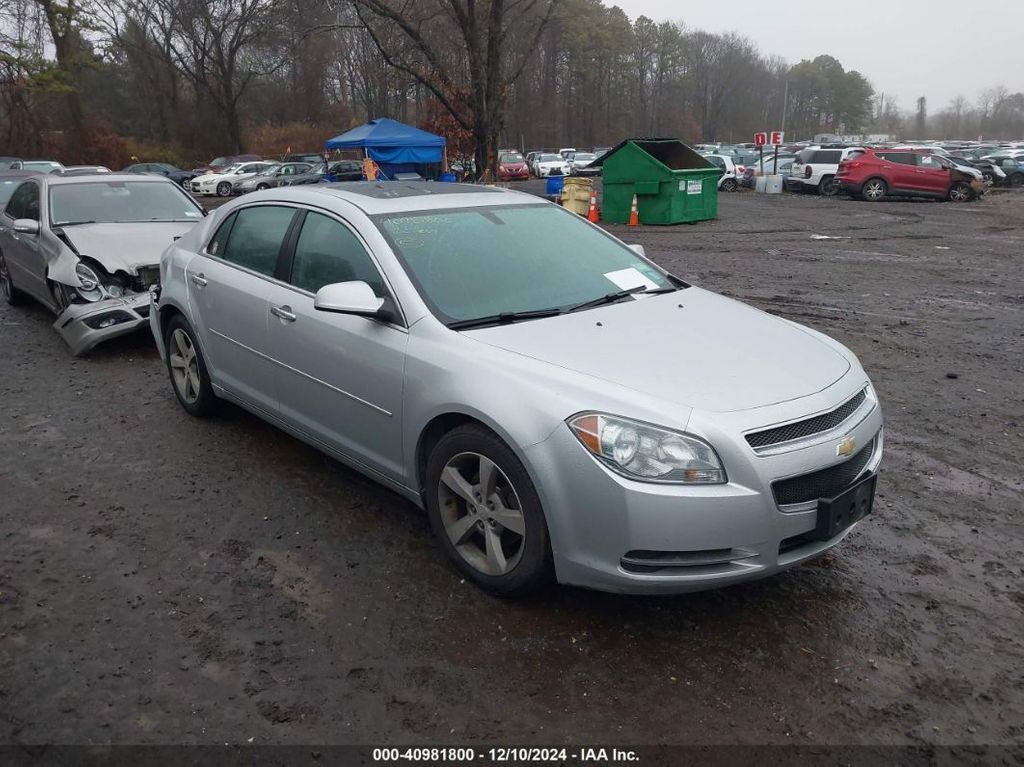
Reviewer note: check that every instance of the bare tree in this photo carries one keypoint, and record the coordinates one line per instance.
(467, 53)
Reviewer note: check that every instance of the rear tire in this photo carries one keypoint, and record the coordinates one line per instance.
(186, 367)
(1016, 180)
(11, 294)
(494, 532)
(729, 185)
(874, 189)
(828, 187)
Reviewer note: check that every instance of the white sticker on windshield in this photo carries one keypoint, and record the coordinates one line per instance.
(627, 279)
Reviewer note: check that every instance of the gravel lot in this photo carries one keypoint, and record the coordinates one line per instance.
(168, 580)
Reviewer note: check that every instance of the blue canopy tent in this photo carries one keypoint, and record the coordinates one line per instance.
(394, 146)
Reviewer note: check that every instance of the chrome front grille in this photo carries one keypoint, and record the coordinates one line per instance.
(809, 426)
(825, 483)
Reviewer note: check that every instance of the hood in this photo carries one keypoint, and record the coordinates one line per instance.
(125, 247)
(713, 354)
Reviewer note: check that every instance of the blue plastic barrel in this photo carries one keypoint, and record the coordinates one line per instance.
(447, 178)
(555, 184)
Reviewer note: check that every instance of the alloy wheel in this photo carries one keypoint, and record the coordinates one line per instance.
(874, 190)
(224, 189)
(959, 192)
(184, 366)
(481, 513)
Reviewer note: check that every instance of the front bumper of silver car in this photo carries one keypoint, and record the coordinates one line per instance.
(83, 326)
(616, 534)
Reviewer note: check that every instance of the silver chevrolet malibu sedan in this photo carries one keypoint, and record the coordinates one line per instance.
(560, 406)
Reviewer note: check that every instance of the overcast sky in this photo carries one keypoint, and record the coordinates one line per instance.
(907, 48)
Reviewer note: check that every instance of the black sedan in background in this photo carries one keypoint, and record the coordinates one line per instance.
(345, 170)
(177, 175)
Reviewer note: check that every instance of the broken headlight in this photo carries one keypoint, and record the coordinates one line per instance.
(90, 289)
(93, 288)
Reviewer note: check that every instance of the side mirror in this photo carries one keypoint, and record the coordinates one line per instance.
(355, 297)
(639, 250)
(26, 226)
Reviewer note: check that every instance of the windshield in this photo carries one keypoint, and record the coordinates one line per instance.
(120, 202)
(478, 262)
(585, 156)
(550, 158)
(218, 162)
(512, 157)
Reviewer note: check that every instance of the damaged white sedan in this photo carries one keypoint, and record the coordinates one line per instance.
(88, 248)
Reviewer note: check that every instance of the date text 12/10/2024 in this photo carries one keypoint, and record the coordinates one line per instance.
(505, 754)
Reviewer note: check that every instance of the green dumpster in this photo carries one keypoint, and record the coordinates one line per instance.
(672, 183)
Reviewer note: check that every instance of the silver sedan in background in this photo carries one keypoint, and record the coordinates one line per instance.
(87, 248)
(560, 405)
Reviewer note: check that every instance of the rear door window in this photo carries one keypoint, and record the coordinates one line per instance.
(903, 158)
(255, 238)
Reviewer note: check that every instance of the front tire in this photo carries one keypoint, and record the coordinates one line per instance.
(224, 189)
(11, 294)
(960, 192)
(486, 513)
(187, 369)
(874, 189)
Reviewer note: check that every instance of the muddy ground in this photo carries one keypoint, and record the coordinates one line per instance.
(169, 580)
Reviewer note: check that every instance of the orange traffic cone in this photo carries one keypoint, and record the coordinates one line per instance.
(592, 215)
(634, 215)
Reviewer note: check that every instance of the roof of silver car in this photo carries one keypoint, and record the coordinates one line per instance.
(393, 190)
(102, 178)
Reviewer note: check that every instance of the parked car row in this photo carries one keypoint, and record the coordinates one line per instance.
(462, 377)
(568, 161)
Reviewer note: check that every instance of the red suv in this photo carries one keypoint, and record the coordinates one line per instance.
(876, 173)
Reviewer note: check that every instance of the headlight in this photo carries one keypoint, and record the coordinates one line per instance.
(92, 288)
(89, 289)
(648, 453)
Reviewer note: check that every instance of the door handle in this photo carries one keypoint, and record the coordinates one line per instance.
(199, 280)
(283, 312)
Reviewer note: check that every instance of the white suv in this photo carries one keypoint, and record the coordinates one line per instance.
(816, 167)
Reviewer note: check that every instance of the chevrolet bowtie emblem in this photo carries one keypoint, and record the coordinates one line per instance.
(847, 446)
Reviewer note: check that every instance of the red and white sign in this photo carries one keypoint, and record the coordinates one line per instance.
(760, 139)
(776, 137)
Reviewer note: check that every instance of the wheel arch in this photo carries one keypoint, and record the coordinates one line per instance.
(166, 313)
(444, 422)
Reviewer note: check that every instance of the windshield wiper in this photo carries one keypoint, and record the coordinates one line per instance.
(504, 318)
(73, 223)
(618, 295)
